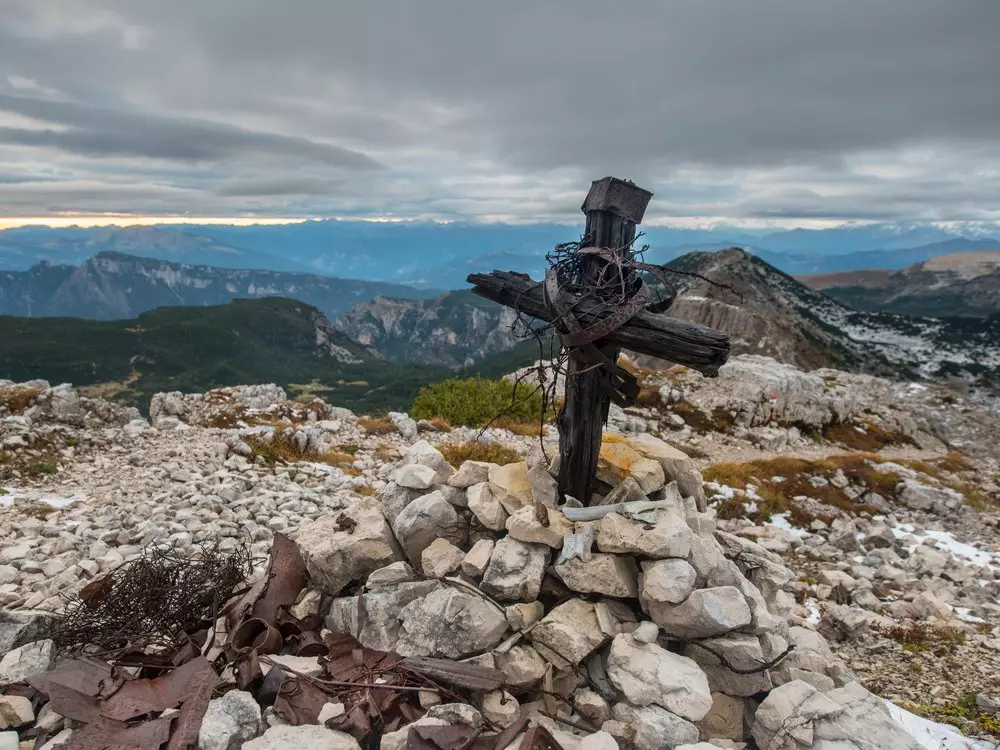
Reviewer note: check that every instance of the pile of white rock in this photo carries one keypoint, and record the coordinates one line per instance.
(655, 631)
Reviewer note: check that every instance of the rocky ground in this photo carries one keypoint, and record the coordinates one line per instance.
(850, 518)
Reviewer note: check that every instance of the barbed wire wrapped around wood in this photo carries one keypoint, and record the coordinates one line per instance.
(156, 600)
(615, 295)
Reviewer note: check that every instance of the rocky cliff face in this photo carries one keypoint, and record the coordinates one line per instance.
(454, 329)
(113, 285)
(966, 284)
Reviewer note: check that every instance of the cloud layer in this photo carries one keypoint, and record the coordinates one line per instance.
(772, 110)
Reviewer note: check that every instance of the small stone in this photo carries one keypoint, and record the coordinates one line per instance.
(425, 519)
(523, 525)
(470, 473)
(598, 741)
(569, 633)
(611, 575)
(655, 727)
(9, 741)
(414, 476)
(477, 559)
(486, 507)
(705, 613)
(423, 453)
(501, 708)
(399, 739)
(726, 719)
(646, 673)
(510, 485)
(27, 661)
(229, 722)
(522, 665)
(15, 711)
(347, 545)
(330, 711)
(397, 572)
(670, 536)
(591, 706)
(309, 736)
(523, 615)
(516, 570)
(441, 558)
(666, 582)
(619, 460)
(450, 623)
(460, 714)
(646, 632)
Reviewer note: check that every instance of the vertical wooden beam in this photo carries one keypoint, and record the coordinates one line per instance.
(613, 209)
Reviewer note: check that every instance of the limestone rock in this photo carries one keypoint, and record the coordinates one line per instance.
(414, 476)
(598, 741)
(656, 728)
(523, 525)
(347, 546)
(501, 708)
(20, 627)
(796, 715)
(670, 536)
(486, 507)
(611, 575)
(619, 460)
(510, 485)
(677, 466)
(423, 453)
(666, 582)
(456, 714)
(229, 722)
(569, 633)
(646, 673)
(516, 570)
(382, 608)
(26, 661)
(310, 736)
(726, 720)
(743, 651)
(522, 665)
(15, 711)
(470, 473)
(425, 519)
(706, 612)
(397, 572)
(399, 739)
(450, 623)
(441, 558)
(477, 559)
(591, 706)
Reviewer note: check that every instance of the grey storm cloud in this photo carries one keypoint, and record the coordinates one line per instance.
(767, 109)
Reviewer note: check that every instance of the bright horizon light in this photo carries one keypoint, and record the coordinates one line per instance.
(131, 221)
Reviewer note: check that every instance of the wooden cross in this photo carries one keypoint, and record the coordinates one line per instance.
(613, 209)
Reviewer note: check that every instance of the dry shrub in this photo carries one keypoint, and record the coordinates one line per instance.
(335, 458)
(280, 449)
(649, 398)
(953, 463)
(364, 490)
(440, 424)
(16, 399)
(529, 429)
(385, 452)
(457, 453)
(865, 436)
(352, 471)
(377, 426)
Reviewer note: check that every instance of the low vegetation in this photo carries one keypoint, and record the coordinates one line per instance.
(377, 425)
(279, 448)
(475, 402)
(14, 400)
(963, 713)
(865, 436)
(470, 450)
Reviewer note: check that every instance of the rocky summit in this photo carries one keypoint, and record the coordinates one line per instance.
(774, 559)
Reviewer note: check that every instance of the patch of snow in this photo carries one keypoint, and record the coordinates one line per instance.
(948, 543)
(722, 491)
(781, 521)
(935, 736)
(965, 615)
(814, 614)
(9, 495)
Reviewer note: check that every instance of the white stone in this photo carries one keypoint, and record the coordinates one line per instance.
(26, 661)
(414, 476)
(655, 727)
(598, 741)
(569, 633)
(441, 558)
(666, 582)
(522, 665)
(646, 673)
(486, 507)
(15, 711)
(706, 612)
(425, 519)
(510, 485)
(450, 623)
(516, 570)
(309, 736)
(388, 575)
(424, 454)
(501, 708)
(523, 525)
(477, 559)
(670, 536)
(470, 473)
(347, 545)
(229, 722)
(611, 575)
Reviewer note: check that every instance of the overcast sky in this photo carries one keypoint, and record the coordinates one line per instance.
(790, 111)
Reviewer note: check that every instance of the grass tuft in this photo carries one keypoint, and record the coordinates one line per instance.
(470, 450)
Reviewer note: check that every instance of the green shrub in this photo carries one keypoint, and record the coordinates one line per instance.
(473, 402)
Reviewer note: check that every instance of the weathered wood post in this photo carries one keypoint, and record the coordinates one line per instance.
(613, 208)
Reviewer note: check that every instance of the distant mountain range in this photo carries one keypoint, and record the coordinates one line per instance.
(963, 284)
(113, 285)
(433, 255)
